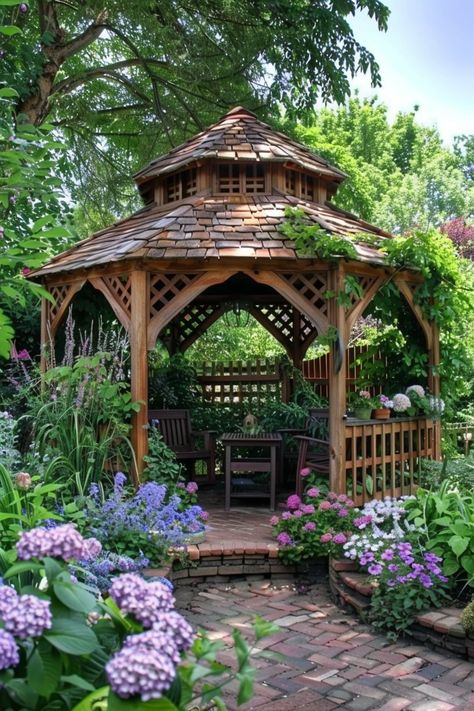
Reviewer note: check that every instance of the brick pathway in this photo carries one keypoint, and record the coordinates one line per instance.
(328, 659)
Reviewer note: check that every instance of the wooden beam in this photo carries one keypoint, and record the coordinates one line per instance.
(337, 385)
(99, 284)
(139, 367)
(359, 308)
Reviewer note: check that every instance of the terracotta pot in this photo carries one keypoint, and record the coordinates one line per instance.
(381, 413)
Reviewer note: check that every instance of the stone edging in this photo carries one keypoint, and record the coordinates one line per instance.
(440, 628)
(212, 562)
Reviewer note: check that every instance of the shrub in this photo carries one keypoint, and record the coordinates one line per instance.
(318, 525)
(467, 618)
(63, 648)
(146, 522)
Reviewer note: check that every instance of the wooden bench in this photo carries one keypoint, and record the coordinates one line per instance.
(175, 428)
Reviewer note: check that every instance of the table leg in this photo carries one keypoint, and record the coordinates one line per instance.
(227, 475)
(273, 472)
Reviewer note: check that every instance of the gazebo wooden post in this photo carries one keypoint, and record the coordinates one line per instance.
(434, 383)
(139, 367)
(337, 384)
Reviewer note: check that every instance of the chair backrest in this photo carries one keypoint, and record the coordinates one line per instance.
(317, 423)
(174, 426)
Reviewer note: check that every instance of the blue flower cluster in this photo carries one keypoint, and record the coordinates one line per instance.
(149, 515)
(99, 573)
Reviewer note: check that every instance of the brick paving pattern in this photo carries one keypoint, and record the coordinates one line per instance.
(323, 658)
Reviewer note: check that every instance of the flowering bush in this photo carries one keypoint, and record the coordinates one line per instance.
(317, 525)
(146, 522)
(58, 642)
(406, 577)
(99, 572)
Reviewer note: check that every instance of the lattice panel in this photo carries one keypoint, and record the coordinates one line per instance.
(191, 321)
(59, 294)
(312, 286)
(121, 288)
(281, 317)
(165, 287)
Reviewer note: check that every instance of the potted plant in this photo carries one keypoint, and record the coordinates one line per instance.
(382, 407)
(361, 403)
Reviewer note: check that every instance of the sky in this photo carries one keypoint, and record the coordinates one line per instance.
(426, 58)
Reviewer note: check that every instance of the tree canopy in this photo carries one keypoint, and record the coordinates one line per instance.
(125, 81)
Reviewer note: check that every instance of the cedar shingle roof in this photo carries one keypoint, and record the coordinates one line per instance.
(239, 136)
(209, 227)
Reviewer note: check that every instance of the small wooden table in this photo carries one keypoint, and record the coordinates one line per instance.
(232, 441)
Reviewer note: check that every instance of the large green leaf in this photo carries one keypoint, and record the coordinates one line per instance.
(97, 701)
(44, 670)
(72, 637)
(458, 544)
(118, 704)
(74, 596)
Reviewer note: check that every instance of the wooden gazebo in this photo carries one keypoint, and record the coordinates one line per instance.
(207, 239)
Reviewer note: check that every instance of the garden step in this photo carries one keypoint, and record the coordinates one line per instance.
(357, 581)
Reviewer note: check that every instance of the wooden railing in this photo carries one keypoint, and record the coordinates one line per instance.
(383, 456)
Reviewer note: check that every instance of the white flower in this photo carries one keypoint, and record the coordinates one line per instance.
(418, 389)
(401, 403)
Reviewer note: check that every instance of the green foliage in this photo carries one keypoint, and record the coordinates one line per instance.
(172, 383)
(393, 610)
(445, 518)
(399, 173)
(311, 240)
(161, 463)
(133, 80)
(467, 618)
(24, 508)
(458, 472)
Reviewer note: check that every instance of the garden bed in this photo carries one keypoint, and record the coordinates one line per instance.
(440, 628)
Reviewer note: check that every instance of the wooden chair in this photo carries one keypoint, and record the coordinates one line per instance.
(178, 435)
(314, 449)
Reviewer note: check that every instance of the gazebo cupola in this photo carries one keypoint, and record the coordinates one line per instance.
(238, 156)
(207, 237)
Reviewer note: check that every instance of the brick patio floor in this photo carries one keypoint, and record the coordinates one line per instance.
(328, 659)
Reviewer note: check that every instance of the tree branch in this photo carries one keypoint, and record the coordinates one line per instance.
(89, 35)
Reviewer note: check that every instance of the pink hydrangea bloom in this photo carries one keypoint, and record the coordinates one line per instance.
(401, 403)
(286, 515)
(297, 514)
(313, 492)
(293, 501)
(310, 526)
(306, 471)
(326, 538)
(342, 513)
(325, 505)
(191, 487)
(284, 539)
(307, 508)
(339, 538)
(274, 520)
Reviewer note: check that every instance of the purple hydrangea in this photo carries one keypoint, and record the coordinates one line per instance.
(313, 492)
(140, 669)
(307, 508)
(8, 598)
(181, 630)
(143, 600)
(310, 526)
(326, 538)
(61, 542)
(339, 538)
(284, 539)
(274, 520)
(155, 640)
(9, 653)
(191, 487)
(28, 616)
